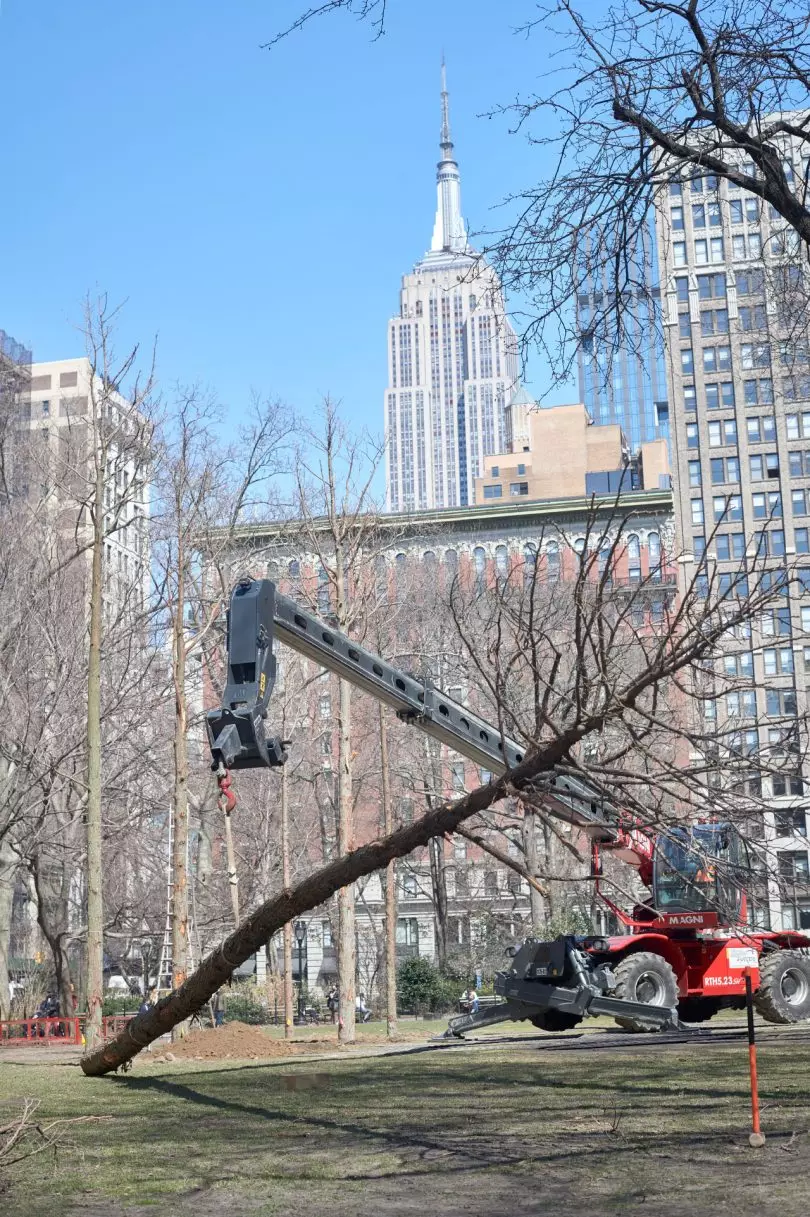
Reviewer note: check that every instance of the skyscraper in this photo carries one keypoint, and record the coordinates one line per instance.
(452, 361)
(625, 386)
(738, 364)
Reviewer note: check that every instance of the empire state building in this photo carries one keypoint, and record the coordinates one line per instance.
(452, 362)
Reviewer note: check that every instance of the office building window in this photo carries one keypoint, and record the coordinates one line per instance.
(720, 395)
(755, 355)
(714, 321)
(716, 359)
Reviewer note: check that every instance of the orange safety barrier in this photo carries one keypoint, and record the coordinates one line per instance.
(58, 1031)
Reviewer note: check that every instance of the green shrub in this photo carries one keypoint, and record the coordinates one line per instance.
(421, 988)
(121, 1003)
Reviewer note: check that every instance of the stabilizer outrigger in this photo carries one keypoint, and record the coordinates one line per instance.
(555, 985)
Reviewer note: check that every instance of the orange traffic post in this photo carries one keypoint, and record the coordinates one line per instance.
(756, 1139)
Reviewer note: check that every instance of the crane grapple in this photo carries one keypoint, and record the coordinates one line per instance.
(236, 731)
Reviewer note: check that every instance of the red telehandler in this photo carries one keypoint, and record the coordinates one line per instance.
(685, 953)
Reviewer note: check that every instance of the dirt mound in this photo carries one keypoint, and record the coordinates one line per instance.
(238, 1040)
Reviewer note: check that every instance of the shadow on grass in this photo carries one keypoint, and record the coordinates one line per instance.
(456, 1150)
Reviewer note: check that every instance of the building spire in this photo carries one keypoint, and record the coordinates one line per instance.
(449, 233)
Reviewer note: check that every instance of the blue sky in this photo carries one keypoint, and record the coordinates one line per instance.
(255, 208)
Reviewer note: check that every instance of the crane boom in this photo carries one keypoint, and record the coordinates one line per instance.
(259, 613)
(554, 984)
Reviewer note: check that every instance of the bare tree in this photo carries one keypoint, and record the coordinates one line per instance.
(206, 489)
(336, 522)
(587, 671)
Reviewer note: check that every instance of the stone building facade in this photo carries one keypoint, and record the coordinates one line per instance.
(734, 286)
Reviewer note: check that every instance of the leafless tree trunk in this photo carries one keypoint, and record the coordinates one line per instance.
(536, 901)
(390, 889)
(180, 918)
(95, 907)
(9, 866)
(285, 881)
(347, 947)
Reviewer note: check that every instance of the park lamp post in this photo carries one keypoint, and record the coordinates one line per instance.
(300, 931)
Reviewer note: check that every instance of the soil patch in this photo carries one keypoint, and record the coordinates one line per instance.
(240, 1041)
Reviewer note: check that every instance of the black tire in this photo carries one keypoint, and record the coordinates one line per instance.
(783, 995)
(697, 1009)
(556, 1020)
(647, 977)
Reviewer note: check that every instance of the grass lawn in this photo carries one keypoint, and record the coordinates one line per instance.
(502, 1129)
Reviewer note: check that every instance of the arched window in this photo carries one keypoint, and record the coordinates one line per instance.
(553, 561)
(529, 564)
(654, 551)
(634, 556)
(579, 546)
(429, 559)
(501, 561)
(480, 565)
(294, 569)
(604, 560)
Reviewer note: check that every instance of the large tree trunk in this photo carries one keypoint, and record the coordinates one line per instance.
(438, 878)
(313, 891)
(347, 947)
(180, 926)
(439, 884)
(95, 905)
(390, 890)
(536, 902)
(285, 881)
(9, 865)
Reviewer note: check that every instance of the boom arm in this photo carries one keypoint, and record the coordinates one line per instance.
(258, 613)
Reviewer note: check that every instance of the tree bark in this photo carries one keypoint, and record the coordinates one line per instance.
(537, 904)
(390, 889)
(180, 926)
(9, 864)
(95, 905)
(313, 891)
(233, 877)
(347, 947)
(285, 881)
(439, 884)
